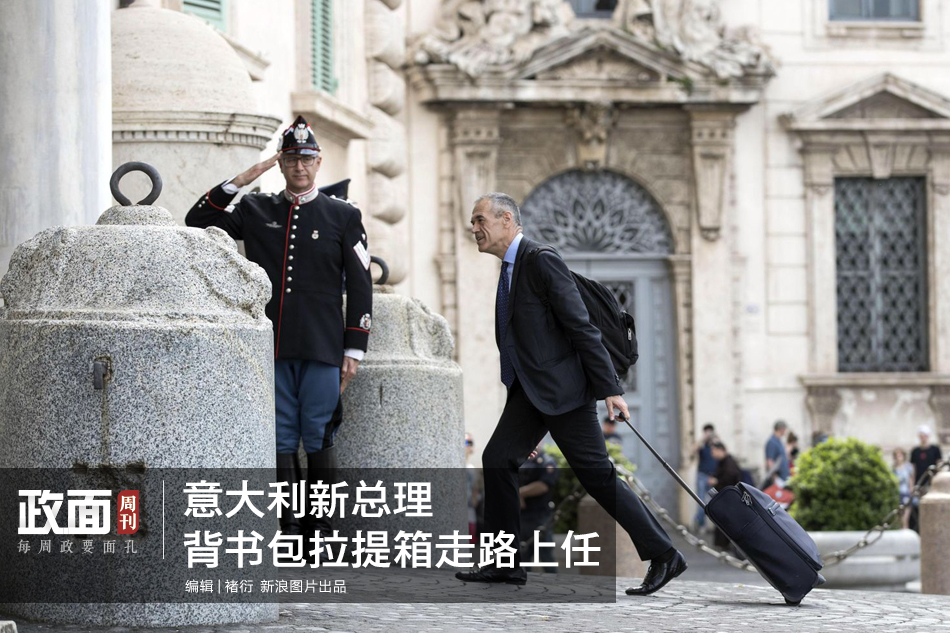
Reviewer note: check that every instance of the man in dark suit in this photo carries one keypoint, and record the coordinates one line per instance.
(555, 367)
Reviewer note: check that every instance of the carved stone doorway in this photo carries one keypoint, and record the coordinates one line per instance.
(609, 228)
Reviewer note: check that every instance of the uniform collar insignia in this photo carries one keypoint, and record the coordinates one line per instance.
(303, 198)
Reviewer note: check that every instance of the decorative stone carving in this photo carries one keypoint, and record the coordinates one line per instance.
(387, 88)
(712, 149)
(387, 197)
(477, 35)
(475, 138)
(383, 42)
(823, 405)
(386, 148)
(593, 122)
(693, 28)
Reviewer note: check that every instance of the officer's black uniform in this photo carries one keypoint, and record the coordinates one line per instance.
(308, 243)
(304, 243)
(538, 510)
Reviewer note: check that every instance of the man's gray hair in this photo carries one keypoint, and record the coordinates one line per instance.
(501, 202)
(780, 424)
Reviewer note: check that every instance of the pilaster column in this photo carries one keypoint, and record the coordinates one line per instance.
(939, 251)
(712, 141)
(55, 121)
(822, 284)
(713, 314)
(475, 140)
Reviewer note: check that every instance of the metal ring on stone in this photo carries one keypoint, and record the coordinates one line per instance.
(384, 269)
(146, 169)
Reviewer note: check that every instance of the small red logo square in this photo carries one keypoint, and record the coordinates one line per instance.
(128, 514)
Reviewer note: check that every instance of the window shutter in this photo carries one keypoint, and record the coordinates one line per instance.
(874, 9)
(211, 11)
(321, 46)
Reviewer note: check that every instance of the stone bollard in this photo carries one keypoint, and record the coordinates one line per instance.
(616, 546)
(403, 410)
(7, 627)
(111, 338)
(935, 536)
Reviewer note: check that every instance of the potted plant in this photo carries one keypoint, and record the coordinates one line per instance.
(842, 489)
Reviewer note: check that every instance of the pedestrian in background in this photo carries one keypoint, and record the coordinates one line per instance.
(705, 469)
(924, 455)
(776, 457)
(727, 473)
(610, 431)
(791, 446)
(905, 476)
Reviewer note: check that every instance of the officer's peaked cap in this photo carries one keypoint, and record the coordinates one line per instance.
(299, 139)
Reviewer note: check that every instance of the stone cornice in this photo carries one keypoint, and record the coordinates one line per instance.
(883, 379)
(443, 83)
(251, 130)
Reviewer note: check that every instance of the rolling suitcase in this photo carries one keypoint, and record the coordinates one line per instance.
(772, 541)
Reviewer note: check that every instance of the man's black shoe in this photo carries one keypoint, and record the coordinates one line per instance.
(658, 575)
(490, 573)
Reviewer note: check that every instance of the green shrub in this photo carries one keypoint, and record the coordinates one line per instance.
(567, 481)
(842, 484)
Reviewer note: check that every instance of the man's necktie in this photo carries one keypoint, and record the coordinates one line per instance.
(501, 314)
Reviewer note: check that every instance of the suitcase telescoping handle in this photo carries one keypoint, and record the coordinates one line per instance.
(668, 468)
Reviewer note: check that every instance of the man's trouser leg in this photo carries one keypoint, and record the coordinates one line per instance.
(581, 440)
(518, 432)
(321, 412)
(287, 423)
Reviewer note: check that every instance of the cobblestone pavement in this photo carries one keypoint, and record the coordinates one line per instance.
(682, 606)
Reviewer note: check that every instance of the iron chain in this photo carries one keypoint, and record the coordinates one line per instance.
(834, 558)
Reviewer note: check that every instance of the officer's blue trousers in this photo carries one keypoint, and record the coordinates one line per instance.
(306, 394)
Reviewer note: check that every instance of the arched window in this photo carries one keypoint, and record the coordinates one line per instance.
(596, 212)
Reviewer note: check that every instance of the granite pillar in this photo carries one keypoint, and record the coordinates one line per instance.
(175, 316)
(403, 410)
(935, 536)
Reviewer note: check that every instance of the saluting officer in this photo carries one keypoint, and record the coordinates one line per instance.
(308, 243)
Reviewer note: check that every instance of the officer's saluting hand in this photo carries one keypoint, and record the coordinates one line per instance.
(310, 244)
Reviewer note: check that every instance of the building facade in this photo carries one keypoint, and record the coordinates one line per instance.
(765, 185)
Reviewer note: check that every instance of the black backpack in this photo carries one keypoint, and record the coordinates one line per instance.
(617, 329)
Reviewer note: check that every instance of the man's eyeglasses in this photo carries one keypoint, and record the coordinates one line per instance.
(288, 160)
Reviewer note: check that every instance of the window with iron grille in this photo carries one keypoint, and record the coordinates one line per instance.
(874, 9)
(321, 46)
(880, 243)
(211, 11)
(593, 8)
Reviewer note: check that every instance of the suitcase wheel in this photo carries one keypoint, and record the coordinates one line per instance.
(791, 603)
